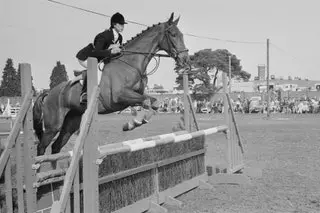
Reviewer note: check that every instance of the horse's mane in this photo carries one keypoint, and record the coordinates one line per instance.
(140, 34)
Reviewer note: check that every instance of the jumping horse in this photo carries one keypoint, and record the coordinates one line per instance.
(122, 84)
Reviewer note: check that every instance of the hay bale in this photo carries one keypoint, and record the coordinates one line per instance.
(125, 191)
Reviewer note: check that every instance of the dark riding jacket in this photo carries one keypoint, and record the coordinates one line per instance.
(99, 48)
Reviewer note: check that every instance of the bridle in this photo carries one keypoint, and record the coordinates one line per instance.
(173, 50)
(172, 53)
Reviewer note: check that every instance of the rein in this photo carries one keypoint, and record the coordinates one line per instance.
(170, 44)
(146, 53)
(136, 52)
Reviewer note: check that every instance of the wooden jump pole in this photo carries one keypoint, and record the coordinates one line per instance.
(188, 104)
(235, 148)
(28, 141)
(185, 101)
(227, 118)
(25, 154)
(90, 168)
(89, 160)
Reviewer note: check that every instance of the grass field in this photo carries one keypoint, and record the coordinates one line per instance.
(287, 148)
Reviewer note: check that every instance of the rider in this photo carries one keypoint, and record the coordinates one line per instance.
(105, 45)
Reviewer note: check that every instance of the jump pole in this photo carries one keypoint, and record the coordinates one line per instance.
(29, 147)
(90, 168)
(185, 101)
(188, 104)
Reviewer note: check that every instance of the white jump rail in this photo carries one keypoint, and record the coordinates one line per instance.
(135, 145)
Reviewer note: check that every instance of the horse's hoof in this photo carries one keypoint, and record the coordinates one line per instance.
(35, 166)
(125, 127)
(128, 126)
(137, 123)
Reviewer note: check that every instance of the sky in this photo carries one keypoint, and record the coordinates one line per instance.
(41, 33)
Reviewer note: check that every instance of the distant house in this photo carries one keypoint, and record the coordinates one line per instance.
(287, 87)
(284, 85)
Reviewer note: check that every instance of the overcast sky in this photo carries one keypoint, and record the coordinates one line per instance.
(40, 32)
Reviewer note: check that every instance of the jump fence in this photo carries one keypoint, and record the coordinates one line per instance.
(130, 176)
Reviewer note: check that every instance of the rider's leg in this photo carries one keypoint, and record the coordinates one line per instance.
(83, 95)
(83, 63)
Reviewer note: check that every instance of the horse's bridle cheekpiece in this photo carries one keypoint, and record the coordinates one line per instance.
(174, 53)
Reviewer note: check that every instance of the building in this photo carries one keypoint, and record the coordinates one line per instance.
(262, 72)
(284, 85)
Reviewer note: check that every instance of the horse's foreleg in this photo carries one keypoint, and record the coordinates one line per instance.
(130, 97)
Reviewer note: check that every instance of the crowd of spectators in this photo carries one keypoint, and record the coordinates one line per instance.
(246, 105)
(9, 109)
(241, 105)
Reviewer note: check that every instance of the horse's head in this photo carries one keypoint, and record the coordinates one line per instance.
(173, 42)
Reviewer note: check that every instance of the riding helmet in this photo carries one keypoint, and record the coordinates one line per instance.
(117, 18)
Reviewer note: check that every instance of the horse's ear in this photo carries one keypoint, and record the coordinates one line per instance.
(171, 18)
(176, 21)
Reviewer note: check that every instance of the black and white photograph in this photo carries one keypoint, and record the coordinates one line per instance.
(159, 106)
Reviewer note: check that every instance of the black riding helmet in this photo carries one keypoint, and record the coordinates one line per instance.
(117, 18)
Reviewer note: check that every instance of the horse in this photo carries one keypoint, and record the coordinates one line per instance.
(122, 85)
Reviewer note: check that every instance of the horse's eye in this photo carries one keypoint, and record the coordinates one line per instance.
(173, 34)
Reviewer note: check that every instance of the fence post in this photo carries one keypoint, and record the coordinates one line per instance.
(90, 150)
(28, 141)
(227, 120)
(186, 101)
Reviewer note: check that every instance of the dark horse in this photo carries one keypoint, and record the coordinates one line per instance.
(122, 85)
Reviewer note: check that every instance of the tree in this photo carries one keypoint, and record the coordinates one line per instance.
(208, 64)
(58, 75)
(9, 84)
(245, 76)
(19, 80)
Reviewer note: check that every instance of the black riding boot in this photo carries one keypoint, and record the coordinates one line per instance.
(83, 96)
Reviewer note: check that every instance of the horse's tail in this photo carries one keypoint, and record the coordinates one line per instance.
(38, 115)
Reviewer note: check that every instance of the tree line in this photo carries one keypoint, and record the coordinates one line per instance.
(11, 78)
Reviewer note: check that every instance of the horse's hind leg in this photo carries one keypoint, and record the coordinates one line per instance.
(70, 125)
(46, 139)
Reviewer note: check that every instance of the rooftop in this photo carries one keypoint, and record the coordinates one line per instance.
(300, 83)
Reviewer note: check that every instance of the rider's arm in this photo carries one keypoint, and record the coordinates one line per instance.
(101, 47)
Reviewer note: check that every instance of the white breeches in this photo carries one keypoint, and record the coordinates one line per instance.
(85, 65)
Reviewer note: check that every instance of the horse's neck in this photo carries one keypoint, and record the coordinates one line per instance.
(145, 44)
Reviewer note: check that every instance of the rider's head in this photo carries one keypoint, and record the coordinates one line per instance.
(117, 22)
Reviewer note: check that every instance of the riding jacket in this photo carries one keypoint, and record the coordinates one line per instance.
(99, 48)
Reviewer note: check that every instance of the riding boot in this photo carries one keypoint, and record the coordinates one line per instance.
(83, 96)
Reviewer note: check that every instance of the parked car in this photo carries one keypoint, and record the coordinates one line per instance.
(255, 104)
